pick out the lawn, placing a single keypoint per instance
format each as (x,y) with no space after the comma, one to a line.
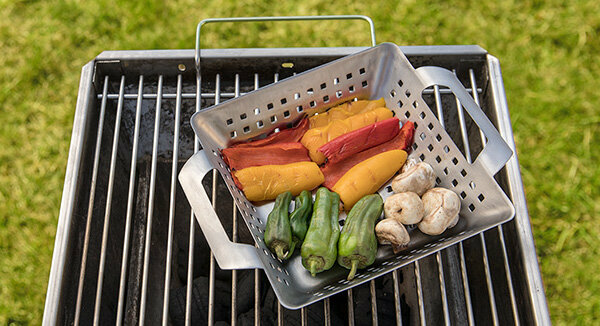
(549,55)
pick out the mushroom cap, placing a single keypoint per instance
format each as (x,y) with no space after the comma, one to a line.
(406,207)
(390,231)
(417,178)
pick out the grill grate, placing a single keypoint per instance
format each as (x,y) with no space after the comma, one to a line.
(149,246)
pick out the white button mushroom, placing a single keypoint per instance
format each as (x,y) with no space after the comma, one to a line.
(441,211)
(417,178)
(390,231)
(405,207)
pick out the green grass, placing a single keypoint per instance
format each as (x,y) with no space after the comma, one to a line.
(549,55)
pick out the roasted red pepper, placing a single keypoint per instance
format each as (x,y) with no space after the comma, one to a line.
(275,154)
(334,171)
(290,135)
(360,139)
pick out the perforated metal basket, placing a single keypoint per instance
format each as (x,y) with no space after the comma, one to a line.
(381,71)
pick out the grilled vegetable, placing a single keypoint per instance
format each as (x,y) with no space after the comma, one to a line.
(319,248)
(441,211)
(317,137)
(333,171)
(278,234)
(290,135)
(267,181)
(357,246)
(368,176)
(358,140)
(344,111)
(390,231)
(405,207)
(238,158)
(300,217)
(417,178)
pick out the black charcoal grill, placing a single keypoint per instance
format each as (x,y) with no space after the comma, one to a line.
(128,249)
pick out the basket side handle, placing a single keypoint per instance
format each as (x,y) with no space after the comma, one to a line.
(496,152)
(229,255)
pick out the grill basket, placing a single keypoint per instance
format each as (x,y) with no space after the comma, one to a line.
(381,71)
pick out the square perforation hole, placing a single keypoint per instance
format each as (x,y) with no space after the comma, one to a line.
(326,98)
(400,83)
(246,129)
(430,126)
(422,115)
(259,124)
(438,181)
(472,185)
(310,91)
(471,207)
(338,94)
(422,136)
(438,137)
(463,195)
(348,76)
(296,96)
(454,182)
(400,104)
(256,111)
(273,118)
(324,85)
(407,93)
(415,146)
(463,173)
(392,93)
(446,149)
(243,116)
(351,89)
(283,101)
(313,104)
(445,171)
(438,159)
(233,134)
(364,83)
(270,106)
(299,108)
(362,71)
(454,160)
(229,121)
(389,189)
(481,197)
(422,157)
(286,114)
(336,81)
(430,147)
(415,104)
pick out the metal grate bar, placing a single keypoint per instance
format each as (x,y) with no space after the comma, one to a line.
(499,227)
(397,298)
(234,237)
(170,96)
(167,287)
(151,203)
(256,271)
(130,195)
(91,204)
(211,280)
(279,314)
(326,312)
(109,196)
(488,278)
(463,266)
(438,257)
(350,308)
(419,293)
(373,303)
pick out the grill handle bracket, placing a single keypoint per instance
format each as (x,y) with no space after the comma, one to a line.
(229,255)
(496,152)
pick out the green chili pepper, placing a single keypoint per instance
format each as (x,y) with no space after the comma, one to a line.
(357,247)
(300,217)
(320,244)
(278,234)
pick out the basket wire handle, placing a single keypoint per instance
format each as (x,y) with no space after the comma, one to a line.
(276,18)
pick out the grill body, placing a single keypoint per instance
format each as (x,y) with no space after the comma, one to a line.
(126,236)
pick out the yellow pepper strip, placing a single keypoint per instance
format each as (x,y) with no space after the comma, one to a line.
(316,137)
(344,111)
(368,176)
(267,181)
